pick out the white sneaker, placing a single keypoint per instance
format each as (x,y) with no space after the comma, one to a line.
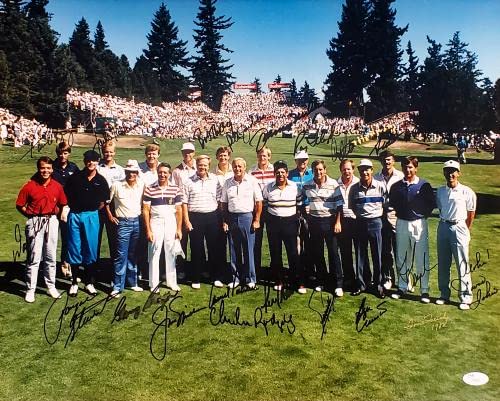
(175,287)
(155,290)
(441,301)
(251,286)
(53,292)
(30,297)
(278,287)
(233,284)
(388,284)
(136,288)
(73,290)
(302,290)
(319,288)
(339,292)
(195,286)
(425,298)
(218,284)
(114,294)
(464,306)
(91,289)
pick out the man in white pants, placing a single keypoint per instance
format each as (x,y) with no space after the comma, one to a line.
(457,209)
(162,212)
(40,200)
(413,201)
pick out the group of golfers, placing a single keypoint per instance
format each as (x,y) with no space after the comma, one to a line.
(150,211)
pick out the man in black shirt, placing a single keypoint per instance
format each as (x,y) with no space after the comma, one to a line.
(87,191)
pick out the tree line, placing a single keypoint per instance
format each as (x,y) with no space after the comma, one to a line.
(368,75)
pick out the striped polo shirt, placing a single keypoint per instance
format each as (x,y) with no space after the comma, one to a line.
(263,177)
(202,195)
(368,202)
(282,203)
(162,200)
(344,190)
(324,200)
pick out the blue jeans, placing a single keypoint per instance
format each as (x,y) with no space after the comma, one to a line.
(242,240)
(126,262)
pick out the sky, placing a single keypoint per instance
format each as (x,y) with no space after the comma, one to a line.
(285,37)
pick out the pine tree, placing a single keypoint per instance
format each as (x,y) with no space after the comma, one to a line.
(166,53)
(308,97)
(277,80)
(294,96)
(145,82)
(384,57)
(347,53)
(81,47)
(258,88)
(100,43)
(496,100)
(209,69)
(21,60)
(411,80)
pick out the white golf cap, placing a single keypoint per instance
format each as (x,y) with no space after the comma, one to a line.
(451,164)
(187,146)
(365,163)
(301,154)
(132,165)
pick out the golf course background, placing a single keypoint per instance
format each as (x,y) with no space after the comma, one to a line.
(298,347)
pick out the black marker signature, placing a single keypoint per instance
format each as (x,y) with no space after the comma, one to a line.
(18,237)
(82,313)
(362,319)
(480,297)
(325,314)
(278,299)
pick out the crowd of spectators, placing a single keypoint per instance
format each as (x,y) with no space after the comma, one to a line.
(22,131)
(188,119)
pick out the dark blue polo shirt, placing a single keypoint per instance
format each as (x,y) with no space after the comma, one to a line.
(412,201)
(61,174)
(84,195)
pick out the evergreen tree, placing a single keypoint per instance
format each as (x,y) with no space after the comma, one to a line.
(100,43)
(81,47)
(277,80)
(411,80)
(4,80)
(166,53)
(209,69)
(258,88)
(347,53)
(48,92)
(496,102)
(384,58)
(308,97)
(21,61)
(294,96)
(145,82)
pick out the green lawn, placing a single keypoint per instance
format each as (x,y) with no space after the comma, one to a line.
(411,352)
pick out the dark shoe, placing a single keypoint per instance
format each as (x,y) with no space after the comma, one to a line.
(357,292)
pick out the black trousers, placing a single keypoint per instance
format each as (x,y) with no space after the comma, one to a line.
(205,229)
(284,230)
(347,240)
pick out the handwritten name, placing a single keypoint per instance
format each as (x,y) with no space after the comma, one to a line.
(437,321)
(362,318)
(484,290)
(324,315)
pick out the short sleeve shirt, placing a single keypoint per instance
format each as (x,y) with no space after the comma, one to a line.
(241,196)
(162,200)
(281,203)
(368,202)
(41,199)
(84,195)
(126,198)
(454,203)
(202,195)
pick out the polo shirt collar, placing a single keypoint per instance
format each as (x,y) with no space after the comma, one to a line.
(414,182)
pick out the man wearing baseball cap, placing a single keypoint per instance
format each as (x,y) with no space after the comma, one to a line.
(457,209)
(300,175)
(87,192)
(126,196)
(366,199)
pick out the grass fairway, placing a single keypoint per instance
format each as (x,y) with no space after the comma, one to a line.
(411,351)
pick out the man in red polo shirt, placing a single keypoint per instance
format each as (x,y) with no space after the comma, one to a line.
(40,200)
